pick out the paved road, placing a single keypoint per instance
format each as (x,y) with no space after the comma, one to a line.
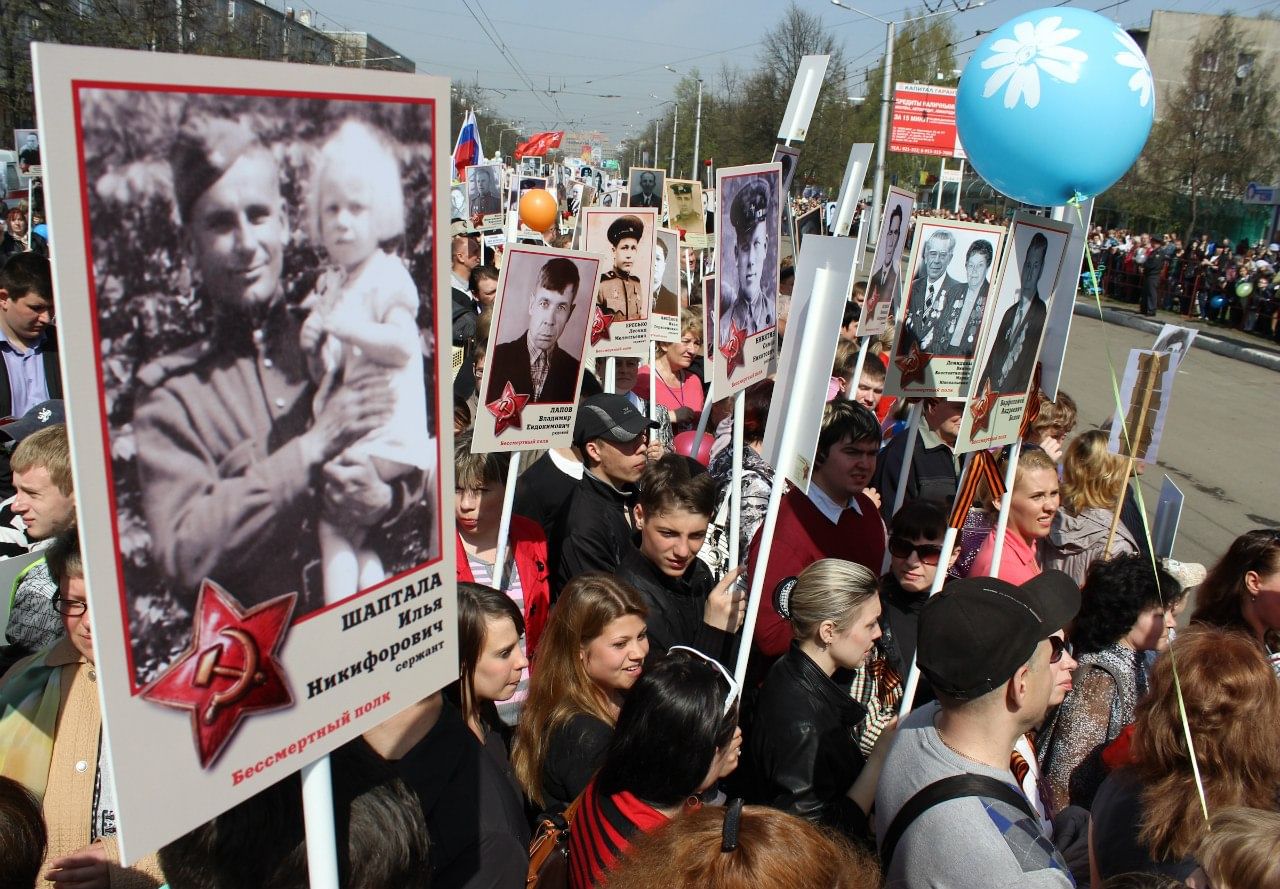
(1221,441)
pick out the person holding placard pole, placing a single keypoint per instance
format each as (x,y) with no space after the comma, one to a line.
(1032,501)
(834,520)
(687,605)
(930,470)
(668,381)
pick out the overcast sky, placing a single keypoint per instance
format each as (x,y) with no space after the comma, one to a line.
(604,59)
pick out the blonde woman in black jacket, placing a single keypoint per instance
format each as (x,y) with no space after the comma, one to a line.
(802,755)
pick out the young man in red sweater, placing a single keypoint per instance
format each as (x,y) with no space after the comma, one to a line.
(835,520)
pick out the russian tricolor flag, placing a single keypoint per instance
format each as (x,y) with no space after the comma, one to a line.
(467,151)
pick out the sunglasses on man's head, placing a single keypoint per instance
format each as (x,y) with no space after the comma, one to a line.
(901,548)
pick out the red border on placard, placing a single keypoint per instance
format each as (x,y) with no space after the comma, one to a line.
(77,85)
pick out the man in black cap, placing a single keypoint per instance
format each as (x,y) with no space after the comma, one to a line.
(949,810)
(238,451)
(750,308)
(619,294)
(534,364)
(596,526)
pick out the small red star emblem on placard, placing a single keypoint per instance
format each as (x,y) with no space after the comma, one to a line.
(912,365)
(732,348)
(682,233)
(599,326)
(230,670)
(506,410)
(981,408)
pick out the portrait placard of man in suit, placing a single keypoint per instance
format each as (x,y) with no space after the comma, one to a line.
(930,294)
(1017,338)
(534,363)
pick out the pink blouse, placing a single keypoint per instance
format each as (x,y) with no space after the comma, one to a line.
(1018,563)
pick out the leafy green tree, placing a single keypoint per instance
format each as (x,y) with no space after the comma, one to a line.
(1219,132)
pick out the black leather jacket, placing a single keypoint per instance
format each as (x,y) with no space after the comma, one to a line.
(801,753)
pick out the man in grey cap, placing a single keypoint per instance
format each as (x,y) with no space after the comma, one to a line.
(949,810)
(238,451)
(596,525)
(619,294)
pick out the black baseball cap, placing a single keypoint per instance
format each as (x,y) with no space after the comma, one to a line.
(977,632)
(609,416)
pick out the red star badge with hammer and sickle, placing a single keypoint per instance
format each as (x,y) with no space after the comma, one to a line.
(599,326)
(732,348)
(230,670)
(506,410)
(912,365)
(981,408)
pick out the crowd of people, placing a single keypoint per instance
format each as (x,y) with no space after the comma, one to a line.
(1064,730)
(1209,278)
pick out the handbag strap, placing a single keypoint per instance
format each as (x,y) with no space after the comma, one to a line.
(954,787)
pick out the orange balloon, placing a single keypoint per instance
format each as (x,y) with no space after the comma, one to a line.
(538,209)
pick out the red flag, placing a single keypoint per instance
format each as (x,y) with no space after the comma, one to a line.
(539,144)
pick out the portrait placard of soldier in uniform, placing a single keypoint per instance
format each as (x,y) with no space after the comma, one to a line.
(626,238)
(748,256)
(257,398)
(684,207)
(484,196)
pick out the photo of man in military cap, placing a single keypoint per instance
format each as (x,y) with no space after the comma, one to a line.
(620,295)
(684,206)
(646,187)
(484,195)
(749,255)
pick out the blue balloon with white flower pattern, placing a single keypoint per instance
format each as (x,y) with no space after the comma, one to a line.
(1053,104)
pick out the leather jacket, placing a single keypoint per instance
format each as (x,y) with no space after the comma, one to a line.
(802,756)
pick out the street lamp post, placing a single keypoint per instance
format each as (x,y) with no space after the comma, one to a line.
(877,189)
(675,124)
(697,128)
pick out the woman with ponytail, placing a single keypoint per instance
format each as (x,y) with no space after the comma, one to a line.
(802,756)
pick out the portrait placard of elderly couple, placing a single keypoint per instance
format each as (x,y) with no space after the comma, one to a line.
(251,285)
(939,320)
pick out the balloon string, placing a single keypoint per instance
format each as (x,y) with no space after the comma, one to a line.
(1096,291)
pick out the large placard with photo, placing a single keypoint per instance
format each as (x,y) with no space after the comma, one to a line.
(664,315)
(1014,328)
(252,305)
(748,245)
(939,323)
(626,238)
(537,341)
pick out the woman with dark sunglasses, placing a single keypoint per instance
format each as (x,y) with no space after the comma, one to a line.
(915,546)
